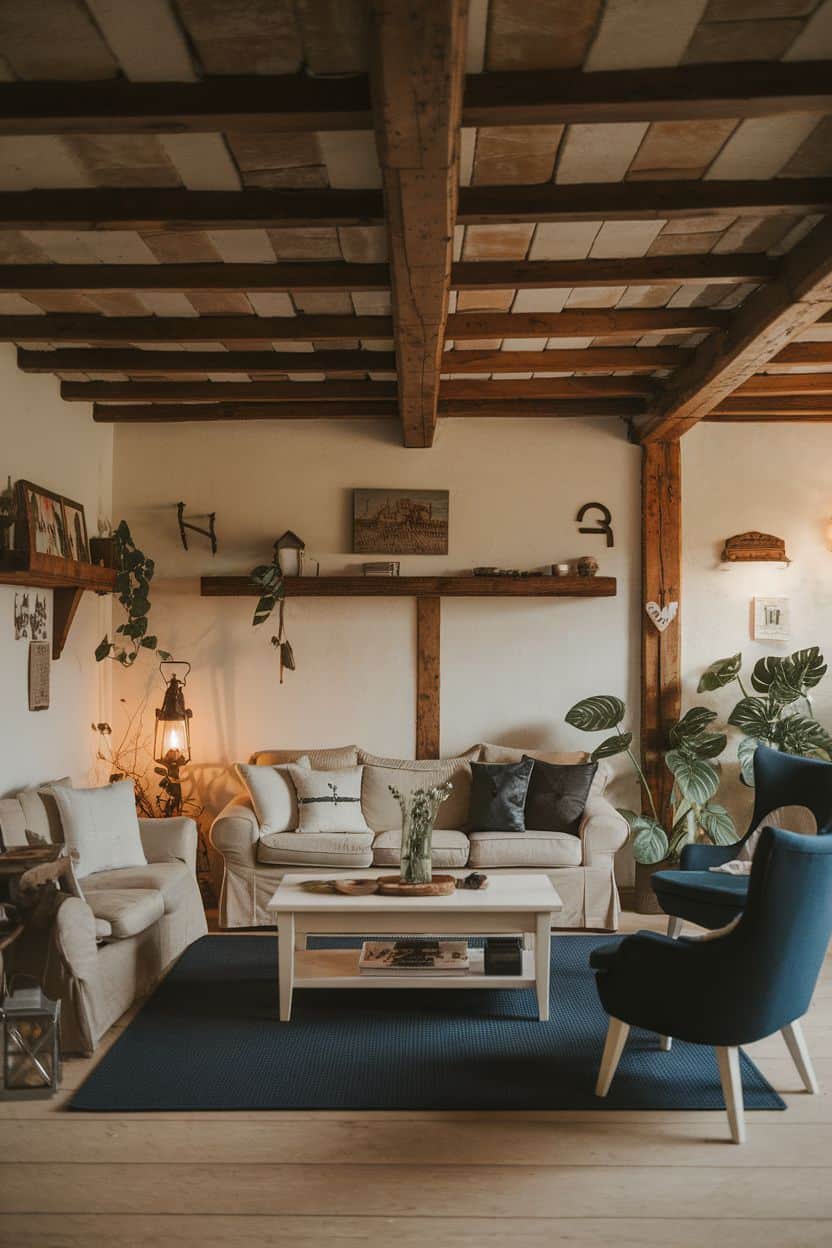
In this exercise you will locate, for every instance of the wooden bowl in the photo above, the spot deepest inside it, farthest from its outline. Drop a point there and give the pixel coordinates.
(356, 888)
(440, 886)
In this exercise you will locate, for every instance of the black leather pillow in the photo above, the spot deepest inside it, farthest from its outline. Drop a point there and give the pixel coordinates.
(557, 795)
(498, 796)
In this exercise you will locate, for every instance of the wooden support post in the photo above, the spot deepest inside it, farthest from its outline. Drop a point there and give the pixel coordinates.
(428, 622)
(661, 528)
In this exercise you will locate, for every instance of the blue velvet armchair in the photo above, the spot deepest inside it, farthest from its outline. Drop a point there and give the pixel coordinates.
(712, 899)
(736, 987)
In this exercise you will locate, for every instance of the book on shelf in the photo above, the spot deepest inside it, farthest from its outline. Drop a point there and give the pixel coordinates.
(385, 568)
(414, 957)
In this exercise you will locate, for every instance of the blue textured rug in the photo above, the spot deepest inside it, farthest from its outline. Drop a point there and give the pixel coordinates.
(209, 1038)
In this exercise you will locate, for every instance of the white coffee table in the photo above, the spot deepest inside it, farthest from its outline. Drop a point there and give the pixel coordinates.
(521, 905)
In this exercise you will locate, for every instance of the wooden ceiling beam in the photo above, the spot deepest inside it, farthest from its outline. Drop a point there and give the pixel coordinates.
(803, 354)
(100, 331)
(180, 413)
(641, 201)
(759, 330)
(298, 103)
(580, 323)
(789, 383)
(99, 278)
(545, 409)
(144, 208)
(128, 361)
(218, 391)
(707, 270)
(678, 93)
(549, 388)
(584, 360)
(417, 76)
(769, 406)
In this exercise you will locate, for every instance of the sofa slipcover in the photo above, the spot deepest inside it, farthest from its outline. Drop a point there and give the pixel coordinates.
(524, 849)
(317, 849)
(448, 852)
(128, 911)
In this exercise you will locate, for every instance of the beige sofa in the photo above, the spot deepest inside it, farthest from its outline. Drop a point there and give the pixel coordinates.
(581, 867)
(109, 945)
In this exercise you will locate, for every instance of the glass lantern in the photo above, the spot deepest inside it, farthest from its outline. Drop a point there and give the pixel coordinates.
(31, 1044)
(172, 747)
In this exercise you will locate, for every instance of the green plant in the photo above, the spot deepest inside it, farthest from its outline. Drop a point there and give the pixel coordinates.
(269, 580)
(779, 712)
(135, 572)
(690, 758)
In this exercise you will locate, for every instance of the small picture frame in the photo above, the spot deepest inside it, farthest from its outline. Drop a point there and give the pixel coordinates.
(40, 528)
(39, 675)
(75, 527)
(772, 619)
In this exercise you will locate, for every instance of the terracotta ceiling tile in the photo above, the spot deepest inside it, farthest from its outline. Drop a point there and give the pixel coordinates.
(271, 303)
(306, 243)
(18, 248)
(363, 244)
(372, 302)
(636, 34)
(541, 300)
(202, 161)
(24, 157)
(323, 302)
(814, 156)
(594, 296)
(645, 297)
(761, 146)
(119, 303)
(350, 158)
(244, 36)
(484, 300)
(497, 242)
(146, 38)
(742, 41)
(749, 234)
(334, 35)
(220, 303)
(697, 225)
(515, 155)
(681, 244)
(563, 240)
(680, 149)
(242, 246)
(54, 39)
(181, 246)
(814, 43)
(549, 34)
(275, 160)
(749, 10)
(618, 240)
(123, 159)
(599, 153)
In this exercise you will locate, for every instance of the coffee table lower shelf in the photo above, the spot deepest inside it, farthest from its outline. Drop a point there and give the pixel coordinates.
(338, 968)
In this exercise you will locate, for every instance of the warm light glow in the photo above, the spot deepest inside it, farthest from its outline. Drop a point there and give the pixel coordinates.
(173, 738)
(829, 535)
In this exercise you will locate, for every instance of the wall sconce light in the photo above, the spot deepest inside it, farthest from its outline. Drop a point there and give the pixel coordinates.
(172, 745)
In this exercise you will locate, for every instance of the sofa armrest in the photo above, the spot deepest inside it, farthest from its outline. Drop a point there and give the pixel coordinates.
(235, 833)
(170, 840)
(74, 936)
(603, 832)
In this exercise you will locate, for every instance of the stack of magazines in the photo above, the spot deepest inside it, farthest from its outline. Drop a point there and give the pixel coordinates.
(414, 957)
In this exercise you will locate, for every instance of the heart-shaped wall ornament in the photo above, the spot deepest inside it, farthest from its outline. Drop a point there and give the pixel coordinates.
(662, 617)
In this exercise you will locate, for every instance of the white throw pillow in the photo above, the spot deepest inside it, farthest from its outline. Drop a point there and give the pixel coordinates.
(41, 812)
(272, 794)
(329, 801)
(101, 828)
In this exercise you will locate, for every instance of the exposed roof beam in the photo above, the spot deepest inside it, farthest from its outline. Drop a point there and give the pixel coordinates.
(708, 270)
(128, 361)
(790, 383)
(545, 409)
(770, 406)
(641, 201)
(98, 278)
(217, 391)
(680, 93)
(760, 328)
(548, 388)
(99, 331)
(579, 323)
(588, 360)
(804, 354)
(143, 208)
(179, 413)
(297, 103)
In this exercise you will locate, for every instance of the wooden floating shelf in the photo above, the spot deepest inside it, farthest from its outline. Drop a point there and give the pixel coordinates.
(419, 587)
(66, 578)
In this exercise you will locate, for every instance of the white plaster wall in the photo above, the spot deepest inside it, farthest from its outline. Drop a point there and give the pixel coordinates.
(54, 444)
(778, 479)
(509, 669)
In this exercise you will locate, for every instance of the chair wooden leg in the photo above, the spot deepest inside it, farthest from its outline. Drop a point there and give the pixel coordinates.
(795, 1043)
(728, 1060)
(617, 1033)
(674, 927)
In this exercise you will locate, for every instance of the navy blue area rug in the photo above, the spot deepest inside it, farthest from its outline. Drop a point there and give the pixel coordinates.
(209, 1039)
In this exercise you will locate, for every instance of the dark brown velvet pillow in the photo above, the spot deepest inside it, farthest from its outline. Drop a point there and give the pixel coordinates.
(557, 795)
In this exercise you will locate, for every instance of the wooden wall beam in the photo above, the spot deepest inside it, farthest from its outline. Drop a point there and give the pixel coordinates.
(661, 684)
(759, 330)
(85, 359)
(101, 278)
(579, 323)
(628, 201)
(428, 629)
(417, 75)
(102, 331)
(680, 93)
(180, 413)
(709, 270)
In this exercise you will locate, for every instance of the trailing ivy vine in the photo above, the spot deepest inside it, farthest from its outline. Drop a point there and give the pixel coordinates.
(135, 572)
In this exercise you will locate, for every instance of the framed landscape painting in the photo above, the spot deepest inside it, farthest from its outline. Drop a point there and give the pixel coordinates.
(400, 522)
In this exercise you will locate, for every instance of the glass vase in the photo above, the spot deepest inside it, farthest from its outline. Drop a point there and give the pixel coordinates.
(419, 809)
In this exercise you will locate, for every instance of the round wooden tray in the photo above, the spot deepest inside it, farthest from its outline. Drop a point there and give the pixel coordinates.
(356, 888)
(440, 886)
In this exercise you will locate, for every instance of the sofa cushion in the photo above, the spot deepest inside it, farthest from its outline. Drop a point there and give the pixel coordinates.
(322, 760)
(127, 910)
(382, 811)
(329, 801)
(272, 794)
(524, 849)
(101, 827)
(37, 813)
(557, 796)
(172, 879)
(317, 849)
(498, 796)
(448, 851)
(564, 758)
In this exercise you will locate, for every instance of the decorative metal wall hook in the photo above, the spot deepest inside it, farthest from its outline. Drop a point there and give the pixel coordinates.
(604, 524)
(184, 524)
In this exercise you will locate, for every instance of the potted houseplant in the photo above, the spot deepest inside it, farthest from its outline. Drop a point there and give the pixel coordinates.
(691, 754)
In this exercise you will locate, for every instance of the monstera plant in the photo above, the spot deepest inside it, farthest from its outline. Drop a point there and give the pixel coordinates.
(690, 757)
(779, 712)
